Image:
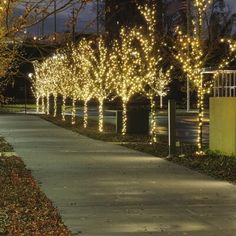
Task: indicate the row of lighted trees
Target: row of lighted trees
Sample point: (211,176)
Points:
(132,64)
(91,69)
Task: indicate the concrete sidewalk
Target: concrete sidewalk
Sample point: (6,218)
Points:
(105,189)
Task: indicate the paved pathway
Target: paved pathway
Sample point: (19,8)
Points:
(104,189)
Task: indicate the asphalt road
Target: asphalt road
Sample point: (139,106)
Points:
(186,125)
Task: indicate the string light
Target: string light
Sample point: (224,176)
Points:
(133,65)
(42,104)
(84,86)
(190,54)
(126,66)
(154,78)
(102,77)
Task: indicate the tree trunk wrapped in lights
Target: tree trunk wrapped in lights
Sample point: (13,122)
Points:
(37,104)
(48,104)
(124,117)
(63,109)
(43,104)
(55,105)
(86,97)
(153,114)
(200,115)
(100,116)
(85,114)
(73,112)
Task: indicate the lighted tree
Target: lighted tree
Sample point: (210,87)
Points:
(126,70)
(67,79)
(48,78)
(8,49)
(102,76)
(43,82)
(62,74)
(162,87)
(82,56)
(14,26)
(31,13)
(37,87)
(76,74)
(155,78)
(190,52)
(232,48)
(75,89)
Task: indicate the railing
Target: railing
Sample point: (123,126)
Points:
(225,84)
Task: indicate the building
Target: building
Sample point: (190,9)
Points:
(121,13)
(176,14)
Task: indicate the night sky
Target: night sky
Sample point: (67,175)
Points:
(86,22)
(87,16)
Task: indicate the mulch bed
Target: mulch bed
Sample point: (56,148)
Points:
(24,208)
(213,164)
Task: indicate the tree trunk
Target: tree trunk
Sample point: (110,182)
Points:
(48,104)
(153,130)
(101,120)
(43,104)
(55,106)
(37,104)
(200,119)
(63,110)
(124,118)
(73,113)
(85,114)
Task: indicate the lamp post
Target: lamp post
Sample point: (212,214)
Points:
(188,33)
(172,127)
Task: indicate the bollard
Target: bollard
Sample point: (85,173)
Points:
(172,127)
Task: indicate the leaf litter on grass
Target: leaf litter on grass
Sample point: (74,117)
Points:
(24,208)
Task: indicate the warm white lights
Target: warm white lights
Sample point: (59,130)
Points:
(132,64)
(190,52)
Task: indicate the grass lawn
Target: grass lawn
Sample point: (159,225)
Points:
(212,164)
(24,208)
(14,108)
